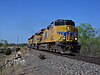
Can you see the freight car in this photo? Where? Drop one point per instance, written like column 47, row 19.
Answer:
column 60, row 36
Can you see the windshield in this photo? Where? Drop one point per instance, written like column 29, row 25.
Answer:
column 63, row 22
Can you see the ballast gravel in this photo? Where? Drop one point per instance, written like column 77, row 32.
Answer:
column 53, row 65
column 57, row 65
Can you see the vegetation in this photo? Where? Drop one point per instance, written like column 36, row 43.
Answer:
column 7, row 48
column 22, row 44
column 18, row 49
column 3, row 43
column 89, row 39
column 7, row 51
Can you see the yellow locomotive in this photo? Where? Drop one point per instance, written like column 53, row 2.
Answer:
column 60, row 36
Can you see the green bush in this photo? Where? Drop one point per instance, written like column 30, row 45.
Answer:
column 18, row 49
column 1, row 50
column 7, row 51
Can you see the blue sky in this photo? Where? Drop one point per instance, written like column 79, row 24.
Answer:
column 22, row 18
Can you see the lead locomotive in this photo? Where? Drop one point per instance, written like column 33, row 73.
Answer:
column 60, row 36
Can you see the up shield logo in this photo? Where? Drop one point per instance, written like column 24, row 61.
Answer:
column 66, row 33
column 62, row 33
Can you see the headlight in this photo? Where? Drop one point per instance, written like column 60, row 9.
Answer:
column 68, row 28
column 54, row 38
column 64, row 38
column 75, row 38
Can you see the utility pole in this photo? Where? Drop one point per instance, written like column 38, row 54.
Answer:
column 17, row 39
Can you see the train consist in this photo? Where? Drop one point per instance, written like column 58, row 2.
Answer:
column 60, row 36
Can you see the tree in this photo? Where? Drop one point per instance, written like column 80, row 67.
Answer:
column 4, row 43
column 0, row 44
column 88, row 39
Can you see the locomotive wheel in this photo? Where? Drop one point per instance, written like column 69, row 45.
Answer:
column 59, row 49
column 52, row 47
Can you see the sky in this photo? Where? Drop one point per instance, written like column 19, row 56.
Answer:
column 19, row 19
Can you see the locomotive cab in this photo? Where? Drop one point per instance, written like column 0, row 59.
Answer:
column 65, row 28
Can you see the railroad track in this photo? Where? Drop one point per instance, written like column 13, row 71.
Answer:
column 95, row 60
